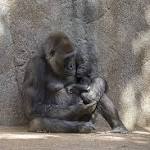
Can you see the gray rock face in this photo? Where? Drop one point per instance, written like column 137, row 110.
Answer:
column 118, row 30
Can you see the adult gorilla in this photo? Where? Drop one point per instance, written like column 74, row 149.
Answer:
column 61, row 92
column 48, row 105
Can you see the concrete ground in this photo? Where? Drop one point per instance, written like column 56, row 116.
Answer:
column 18, row 138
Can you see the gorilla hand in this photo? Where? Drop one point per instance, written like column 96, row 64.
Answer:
column 96, row 91
column 77, row 88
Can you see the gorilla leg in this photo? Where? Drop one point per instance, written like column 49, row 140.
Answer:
column 110, row 113
column 71, row 113
column 55, row 126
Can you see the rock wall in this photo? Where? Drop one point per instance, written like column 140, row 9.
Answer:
column 118, row 30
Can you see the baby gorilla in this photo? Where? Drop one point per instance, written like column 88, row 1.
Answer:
column 48, row 105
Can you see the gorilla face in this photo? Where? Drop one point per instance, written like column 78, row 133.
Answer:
column 69, row 64
column 70, row 68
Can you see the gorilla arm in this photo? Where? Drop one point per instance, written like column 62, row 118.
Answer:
column 35, row 108
column 34, row 96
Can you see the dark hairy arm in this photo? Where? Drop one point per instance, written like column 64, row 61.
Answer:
column 34, row 88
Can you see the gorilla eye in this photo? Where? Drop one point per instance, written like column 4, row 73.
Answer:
column 52, row 53
column 71, row 66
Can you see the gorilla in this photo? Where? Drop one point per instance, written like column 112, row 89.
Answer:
column 62, row 90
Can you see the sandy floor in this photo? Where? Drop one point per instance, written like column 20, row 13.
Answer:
column 19, row 139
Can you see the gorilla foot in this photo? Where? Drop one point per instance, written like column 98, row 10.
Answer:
column 36, row 125
column 88, row 127
column 120, row 129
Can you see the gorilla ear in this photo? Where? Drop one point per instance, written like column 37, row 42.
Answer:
column 48, row 47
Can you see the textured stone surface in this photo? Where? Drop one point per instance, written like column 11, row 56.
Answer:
column 118, row 30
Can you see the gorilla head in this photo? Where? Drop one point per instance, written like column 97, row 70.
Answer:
column 60, row 54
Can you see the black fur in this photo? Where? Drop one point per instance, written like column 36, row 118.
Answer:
column 46, row 98
column 62, row 89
